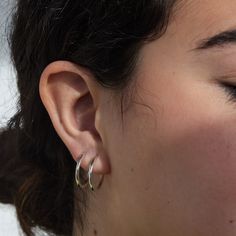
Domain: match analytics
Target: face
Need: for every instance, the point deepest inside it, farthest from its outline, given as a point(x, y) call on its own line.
point(174, 161)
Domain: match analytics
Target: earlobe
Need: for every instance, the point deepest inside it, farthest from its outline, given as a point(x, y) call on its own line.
point(68, 93)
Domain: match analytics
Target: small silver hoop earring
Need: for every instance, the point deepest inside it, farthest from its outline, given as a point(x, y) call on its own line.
point(90, 171)
point(77, 173)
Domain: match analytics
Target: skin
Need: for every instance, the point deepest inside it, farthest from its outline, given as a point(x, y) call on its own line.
point(171, 170)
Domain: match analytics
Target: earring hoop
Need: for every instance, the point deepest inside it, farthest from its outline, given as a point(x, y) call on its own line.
point(77, 173)
point(90, 171)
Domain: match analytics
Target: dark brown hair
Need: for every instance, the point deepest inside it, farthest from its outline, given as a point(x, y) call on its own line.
point(104, 36)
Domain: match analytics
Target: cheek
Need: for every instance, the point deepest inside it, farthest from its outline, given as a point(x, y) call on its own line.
point(205, 156)
point(200, 136)
point(199, 150)
point(194, 155)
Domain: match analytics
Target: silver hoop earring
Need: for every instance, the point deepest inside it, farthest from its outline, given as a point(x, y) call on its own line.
point(90, 171)
point(77, 173)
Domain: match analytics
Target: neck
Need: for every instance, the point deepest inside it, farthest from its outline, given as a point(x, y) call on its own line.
point(103, 215)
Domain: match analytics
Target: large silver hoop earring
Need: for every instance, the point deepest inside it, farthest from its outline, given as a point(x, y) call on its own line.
point(77, 173)
point(90, 171)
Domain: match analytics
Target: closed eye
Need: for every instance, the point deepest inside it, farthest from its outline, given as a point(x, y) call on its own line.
point(230, 89)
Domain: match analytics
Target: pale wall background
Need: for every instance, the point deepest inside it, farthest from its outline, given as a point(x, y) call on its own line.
point(8, 91)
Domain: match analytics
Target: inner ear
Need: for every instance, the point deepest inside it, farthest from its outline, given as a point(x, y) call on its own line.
point(85, 115)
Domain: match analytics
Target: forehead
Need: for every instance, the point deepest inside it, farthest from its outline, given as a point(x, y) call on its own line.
point(194, 19)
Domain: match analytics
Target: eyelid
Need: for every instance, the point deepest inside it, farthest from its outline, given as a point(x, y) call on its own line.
point(228, 83)
point(230, 89)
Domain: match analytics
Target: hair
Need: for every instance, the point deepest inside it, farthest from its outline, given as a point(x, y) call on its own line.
point(37, 171)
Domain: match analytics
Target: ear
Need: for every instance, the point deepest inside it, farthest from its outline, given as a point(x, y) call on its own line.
point(69, 94)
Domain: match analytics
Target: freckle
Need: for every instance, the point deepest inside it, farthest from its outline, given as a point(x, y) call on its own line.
point(231, 221)
point(147, 188)
point(132, 169)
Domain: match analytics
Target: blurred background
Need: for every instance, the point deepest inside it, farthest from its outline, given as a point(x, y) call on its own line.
point(8, 91)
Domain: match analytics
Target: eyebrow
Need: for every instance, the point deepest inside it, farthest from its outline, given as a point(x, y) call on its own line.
point(219, 40)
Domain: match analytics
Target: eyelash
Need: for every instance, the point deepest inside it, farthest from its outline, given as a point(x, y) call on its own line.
point(230, 90)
